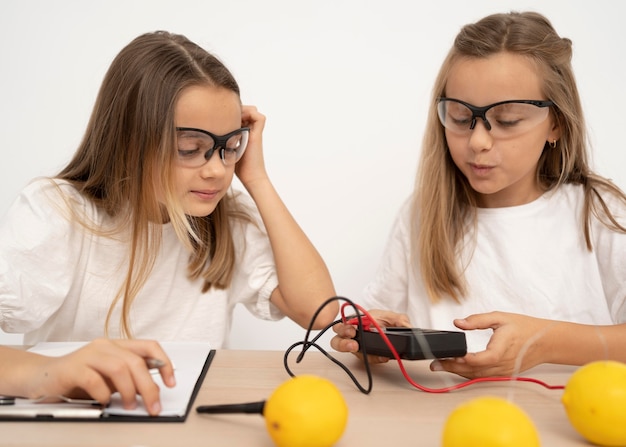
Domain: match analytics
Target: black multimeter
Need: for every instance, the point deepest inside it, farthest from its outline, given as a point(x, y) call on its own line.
point(413, 343)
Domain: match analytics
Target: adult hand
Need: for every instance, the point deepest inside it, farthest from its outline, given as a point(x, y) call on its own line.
point(101, 368)
point(344, 342)
point(518, 343)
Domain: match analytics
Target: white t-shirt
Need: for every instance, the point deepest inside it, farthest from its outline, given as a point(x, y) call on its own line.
point(529, 259)
point(57, 281)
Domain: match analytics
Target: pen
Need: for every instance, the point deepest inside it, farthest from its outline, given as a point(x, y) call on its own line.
point(154, 363)
point(7, 400)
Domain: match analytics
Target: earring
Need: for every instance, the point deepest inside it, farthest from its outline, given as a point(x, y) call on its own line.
point(553, 144)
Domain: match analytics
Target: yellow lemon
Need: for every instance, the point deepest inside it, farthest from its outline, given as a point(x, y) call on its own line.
point(595, 402)
point(306, 411)
point(489, 422)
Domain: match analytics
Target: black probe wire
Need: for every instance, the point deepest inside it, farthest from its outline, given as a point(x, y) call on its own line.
point(306, 344)
point(258, 407)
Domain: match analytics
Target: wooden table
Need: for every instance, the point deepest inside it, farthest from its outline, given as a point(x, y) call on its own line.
point(393, 412)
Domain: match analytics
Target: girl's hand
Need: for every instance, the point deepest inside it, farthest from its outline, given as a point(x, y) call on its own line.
point(518, 343)
point(101, 368)
point(343, 341)
point(251, 167)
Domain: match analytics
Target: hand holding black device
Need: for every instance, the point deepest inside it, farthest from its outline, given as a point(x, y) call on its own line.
point(413, 343)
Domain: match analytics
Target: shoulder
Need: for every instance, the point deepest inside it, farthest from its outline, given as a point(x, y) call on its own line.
point(605, 199)
point(407, 211)
point(613, 196)
point(49, 198)
point(52, 189)
point(604, 190)
point(43, 192)
point(567, 198)
point(570, 192)
point(403, 222)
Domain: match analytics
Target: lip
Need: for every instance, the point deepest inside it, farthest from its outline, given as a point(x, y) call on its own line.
point(205, 194)
point(480, 169)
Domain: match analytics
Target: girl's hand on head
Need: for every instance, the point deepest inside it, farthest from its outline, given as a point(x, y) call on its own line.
point(103, 367)
point(251, 167)
point(517, 344)
point(343, 341)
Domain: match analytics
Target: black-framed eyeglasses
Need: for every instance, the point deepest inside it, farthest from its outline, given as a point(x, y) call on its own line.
point(196, 146)
point(503, 119)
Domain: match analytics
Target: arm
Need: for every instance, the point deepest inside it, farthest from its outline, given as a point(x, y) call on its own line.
point(97, 370)
point(520, 342)
point(303, 278)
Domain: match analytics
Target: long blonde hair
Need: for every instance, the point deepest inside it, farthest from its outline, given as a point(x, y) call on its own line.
point(444, 204)
point(127, 155)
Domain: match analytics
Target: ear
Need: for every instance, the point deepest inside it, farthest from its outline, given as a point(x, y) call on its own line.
point(555, 132)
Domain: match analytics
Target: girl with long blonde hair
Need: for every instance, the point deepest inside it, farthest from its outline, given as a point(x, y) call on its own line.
point(509, 234)
point(141, 235)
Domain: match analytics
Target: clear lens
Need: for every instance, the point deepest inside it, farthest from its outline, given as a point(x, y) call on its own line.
point(196, 147)
point(454, 116)
point(235, 147)
point(192, 147)
point(515, 118)
point(506, 120)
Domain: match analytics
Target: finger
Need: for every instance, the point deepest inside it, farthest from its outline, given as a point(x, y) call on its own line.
point(146, 387)
point(345, 330)
point(130, 376)
point(341, 344)
point(123, 363)
point(247, 111)
point(167, 375)
point(402, 321)
point(108, 360)
point(347, 345)
point(480, 364)
point(488, 320)
point(251, 117)
point(390, 319)
point(460, 368)
point(117, 370)
point(93, 385)
point(150, 349)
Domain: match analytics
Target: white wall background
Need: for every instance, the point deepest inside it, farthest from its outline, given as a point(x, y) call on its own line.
point(344, 84)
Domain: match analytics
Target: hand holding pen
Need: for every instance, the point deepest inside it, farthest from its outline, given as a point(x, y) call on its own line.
point(96, 370)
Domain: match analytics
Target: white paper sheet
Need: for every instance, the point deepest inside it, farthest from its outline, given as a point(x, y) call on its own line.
point(188, 359)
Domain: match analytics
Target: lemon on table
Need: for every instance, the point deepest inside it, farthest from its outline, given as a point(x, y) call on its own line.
point(489, 422)
point(306, 411)
point(595, 402)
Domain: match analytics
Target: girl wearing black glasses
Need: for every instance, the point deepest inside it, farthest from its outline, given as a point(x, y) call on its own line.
point(140, 235)
point(509, 235)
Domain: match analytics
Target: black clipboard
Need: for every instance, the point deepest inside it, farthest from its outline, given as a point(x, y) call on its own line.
point(66, 412)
